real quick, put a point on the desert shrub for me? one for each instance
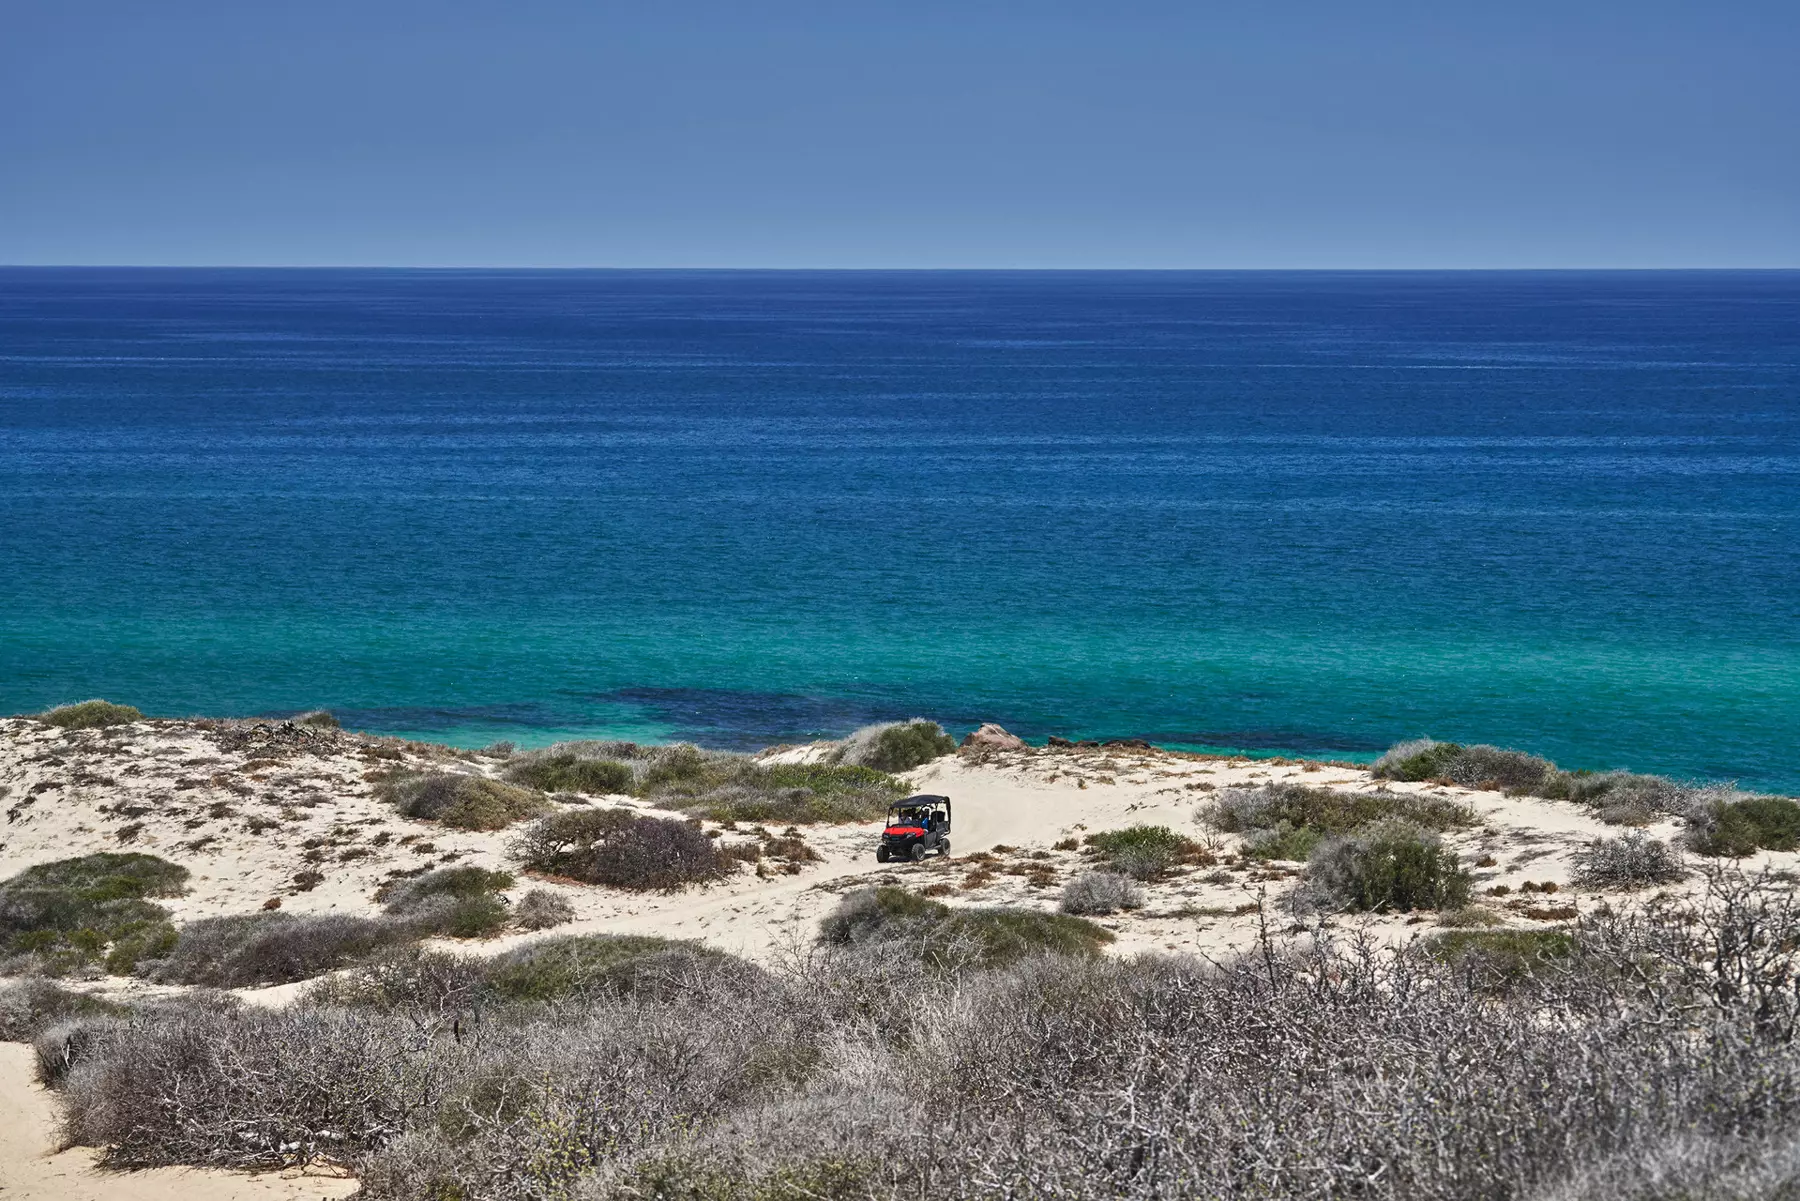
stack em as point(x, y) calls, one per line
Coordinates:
point(1499, 957)
point(1633, 860)
point(251, 1088)
point(29, 1007)
point(1622, 797)
point(1284, 841)
point(541, 909)
point(913, 927)
point(1100, 892)
point(246, 950)
point(70, 914)
point(1733, 828)
point(463, 902)
point(784, 793)
point(622, 849)
point(90, 715)
point(570, 773)
point(1143, 852)
point(1416, 759)
point(1387, 865)
point(555, 969)
point(323, 719)
point(1497, 768)
point(897, 746)
point(1473, 1066)
point(730, 787)
point(462, 801)
point(1327, 810)
point(1478, 766)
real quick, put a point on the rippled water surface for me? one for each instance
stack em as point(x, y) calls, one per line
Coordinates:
point(1282, 511)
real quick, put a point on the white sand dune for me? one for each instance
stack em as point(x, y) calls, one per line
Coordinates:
point(248, 815)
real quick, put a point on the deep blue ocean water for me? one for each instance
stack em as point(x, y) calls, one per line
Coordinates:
point(1310, 512)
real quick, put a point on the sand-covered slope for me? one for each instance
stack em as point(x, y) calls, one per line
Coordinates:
point(266, 812)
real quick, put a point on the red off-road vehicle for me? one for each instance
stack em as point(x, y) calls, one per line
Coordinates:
point(915, 827)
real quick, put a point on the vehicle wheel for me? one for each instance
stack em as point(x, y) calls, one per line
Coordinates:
point(918, 852)
point(944, 848)
point(881, 855)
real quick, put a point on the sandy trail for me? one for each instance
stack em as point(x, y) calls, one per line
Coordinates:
point(31, 1168)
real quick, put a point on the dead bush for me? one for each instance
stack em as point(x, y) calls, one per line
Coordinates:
point(622, 849)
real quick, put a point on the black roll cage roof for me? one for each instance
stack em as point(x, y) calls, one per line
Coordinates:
point(914, 802)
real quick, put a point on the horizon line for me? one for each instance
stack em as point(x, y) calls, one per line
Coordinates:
point(1541, 270)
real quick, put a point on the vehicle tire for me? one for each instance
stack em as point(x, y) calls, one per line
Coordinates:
point(918, 852)
point(944, 848)
point(881, 855)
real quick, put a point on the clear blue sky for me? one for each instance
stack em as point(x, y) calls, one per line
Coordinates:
point(912, 134)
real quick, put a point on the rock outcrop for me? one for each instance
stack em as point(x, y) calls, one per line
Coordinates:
point(994, 737)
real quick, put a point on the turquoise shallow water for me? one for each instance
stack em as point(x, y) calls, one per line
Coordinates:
point(1306, 512)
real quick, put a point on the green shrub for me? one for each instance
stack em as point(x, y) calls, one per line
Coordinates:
point(622, 849)
point(1735, 828)
point(1468, 766)
point(246, 950)
point(915, 927)
point(739, 790)
point(93, 908)
point(1417, 759)
point(462, 801)
point(1284, 841)
point(570, 773)
point(1143, 852)
point(1501, 956)
point(556, 969)
point(1328, 810)
point(462, 902)
point(729, 787)
point(583, 968)
point(90, 715)
point(1388, 865)
point(322, 718)
point(897, 746)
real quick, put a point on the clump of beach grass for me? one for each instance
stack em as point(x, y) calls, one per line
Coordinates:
point(90, 715)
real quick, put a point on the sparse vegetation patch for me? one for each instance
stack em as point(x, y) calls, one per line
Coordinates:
point(1146, 852)
point(90, 715)
point(916, 928)
point(1734, 828)
point(466, 802)
point(78, 913)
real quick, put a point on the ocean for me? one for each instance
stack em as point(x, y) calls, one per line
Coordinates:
point(1277, 512)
